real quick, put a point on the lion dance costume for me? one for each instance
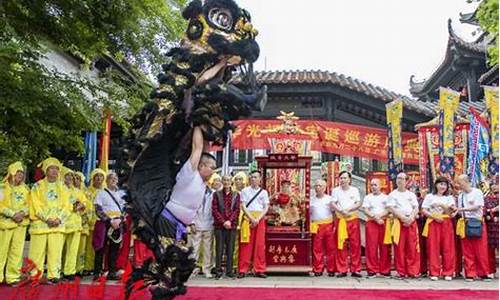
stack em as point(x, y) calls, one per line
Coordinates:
point(196, 88)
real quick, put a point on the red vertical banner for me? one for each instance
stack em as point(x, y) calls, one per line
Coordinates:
point(423, 160)
point(105, 141)
point(330, 172)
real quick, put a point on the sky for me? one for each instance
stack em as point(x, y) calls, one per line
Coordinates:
point(382, 42)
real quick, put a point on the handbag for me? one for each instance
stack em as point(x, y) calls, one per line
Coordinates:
point(115, 235)
point(473, 226)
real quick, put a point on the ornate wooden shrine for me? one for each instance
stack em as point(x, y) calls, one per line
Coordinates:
point(288, 245)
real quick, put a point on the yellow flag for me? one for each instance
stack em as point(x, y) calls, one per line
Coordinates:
point(491, 99)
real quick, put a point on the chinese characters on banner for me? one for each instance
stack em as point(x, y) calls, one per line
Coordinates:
point(394, 112)
point(448, 105)
point(491, 98)
point(330, 137)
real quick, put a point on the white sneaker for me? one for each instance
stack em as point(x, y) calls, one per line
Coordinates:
point(469, 279)
point(208, 276)
point(434, 278)
point(448, 278)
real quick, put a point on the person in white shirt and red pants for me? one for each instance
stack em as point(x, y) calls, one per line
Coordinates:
point(474, 249)
point(377, 251)
point(322, 230)
point(346, 201)
point(254, 203)
point(438, 229)
point(404, 205)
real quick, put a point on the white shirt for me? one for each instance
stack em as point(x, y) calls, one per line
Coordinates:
point(320, 208)
point(468, 200)
point(405, 202)
point(346, 199)
point(204, 220)
point(187, 194)
point(259, 203)
point(104, 200)
point(436, 200)
point(376, 204)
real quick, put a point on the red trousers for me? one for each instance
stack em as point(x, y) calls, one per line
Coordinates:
point(441, 248)
point(423, 246)
point(123, 255)
point(492, 260)
point(354, 239)
point(407, 251)
point(141, 253)
point(255, 250)
point(475, 251)
point(378, 254)
point(324, 247)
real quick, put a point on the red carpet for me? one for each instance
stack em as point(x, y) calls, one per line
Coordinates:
point(88, 292)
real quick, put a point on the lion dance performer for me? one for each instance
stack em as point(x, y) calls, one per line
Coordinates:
point(195, 91)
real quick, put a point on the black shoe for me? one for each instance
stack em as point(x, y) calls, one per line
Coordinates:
point(241, 275)
point(342, 275)
point(261, 275)
point(113, 276)
point(356, 275)
point(372, 275)
point(331, 274)
point(318, 274)
point(230, 275)
point(386, 275)
point(485, 278)
point(69, 277)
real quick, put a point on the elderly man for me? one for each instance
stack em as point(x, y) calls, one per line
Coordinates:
point(254, 203)
point(225, 210)
point(378, 253)
point(346, 200)
point(110, 209)
point(202, 230)
point(404, 205)
point(322, 230)
point(49, 209)
point(474, 249)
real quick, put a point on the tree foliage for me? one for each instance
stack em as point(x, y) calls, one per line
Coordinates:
point(43, 109)
point(487, 15)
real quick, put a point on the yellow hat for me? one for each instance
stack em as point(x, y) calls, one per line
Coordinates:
point(82, 179)
point(242, 175)
point(213, 178)
point(65, 171)
point(80, 174)
point(13, 169)
point(49, 162)
point(97, 171)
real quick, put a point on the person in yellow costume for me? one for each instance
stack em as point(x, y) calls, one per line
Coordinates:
point(78, 183)
point(14, 211)
point(73, 225)
point(96, 185)
point(49, 210)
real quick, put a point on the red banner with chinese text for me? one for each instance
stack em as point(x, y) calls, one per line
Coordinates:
point(330, 137)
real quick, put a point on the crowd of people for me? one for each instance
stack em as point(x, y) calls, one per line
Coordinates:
point(76, 230)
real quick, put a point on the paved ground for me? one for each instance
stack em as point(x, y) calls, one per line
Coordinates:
point(349, 283)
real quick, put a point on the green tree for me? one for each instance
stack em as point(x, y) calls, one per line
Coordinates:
point(487, 14)
point(42, 109)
